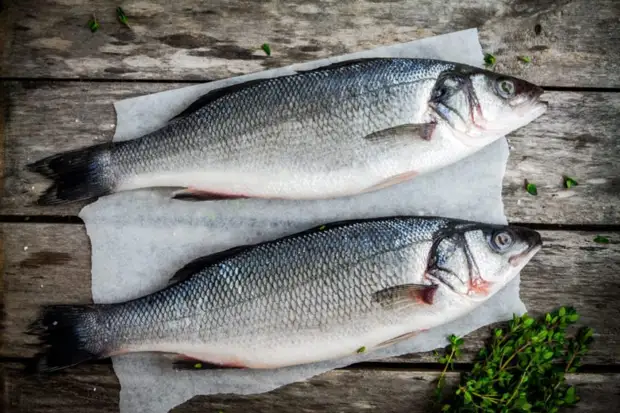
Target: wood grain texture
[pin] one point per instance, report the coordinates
(577, 137)
(95, 389)
(50, 263)
(572, 43)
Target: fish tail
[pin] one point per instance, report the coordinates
(67, 335)
(78, 175)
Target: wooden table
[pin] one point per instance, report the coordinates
(59, 81)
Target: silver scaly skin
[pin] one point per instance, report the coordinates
(334, 131)
(320, 294)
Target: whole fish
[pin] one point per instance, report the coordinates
(338, 130)
(320, 294)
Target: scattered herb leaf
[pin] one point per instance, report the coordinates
(93, 24)
(601, 239)
(198, 365)
(322, 227)
(121, 16)
(522, 368)
(525, 59)
(531, 188)
(266, 49)
(489, 59)
(361, 349)
(569, 182)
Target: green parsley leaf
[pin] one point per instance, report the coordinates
(569, 182)
(93, 24)
(266, 49)
(601, 239)
(361, 350)
(525, 59)
(531, 188)
(121, 16)
(489, 60)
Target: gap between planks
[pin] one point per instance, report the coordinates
(190, 82)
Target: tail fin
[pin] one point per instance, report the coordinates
(77, 175)
(67, 333)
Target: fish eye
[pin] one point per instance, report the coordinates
(505, 88)
(501, 240)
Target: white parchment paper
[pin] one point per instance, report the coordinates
(140, 238)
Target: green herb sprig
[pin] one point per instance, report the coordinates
(122, 17)
(522, 368)
(93, 24)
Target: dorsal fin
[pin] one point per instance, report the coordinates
(338, 65)
(196, 265)
(213, 95)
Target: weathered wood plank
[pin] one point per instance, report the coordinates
(573, 43)
(578, 137)
(95, 389)
(50, 263)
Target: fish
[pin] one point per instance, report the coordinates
(320, 294)
(338, 130)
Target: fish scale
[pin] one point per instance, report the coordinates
(315, 295)
(322, 278)
(338, 130)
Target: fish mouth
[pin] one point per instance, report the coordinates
(535, 241)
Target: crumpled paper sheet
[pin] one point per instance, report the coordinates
(140, 238)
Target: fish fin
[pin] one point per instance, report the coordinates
(183, 362)
(65, 332)
(406, 295)
(396, 179)
(402, 133)
(214, 95)
(337, 65)
(397, 339)
(199, 263)
(78, 175)
(194, 194)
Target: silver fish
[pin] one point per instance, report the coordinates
(316, 295)
(338, 130)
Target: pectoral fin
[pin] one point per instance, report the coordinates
(402, 133)
(406, 296)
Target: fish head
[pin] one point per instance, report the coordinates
(475, 261)
(480, 106)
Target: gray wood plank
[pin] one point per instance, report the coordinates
(577, 137)
(95, 389)
(572, 43)
(50, 263)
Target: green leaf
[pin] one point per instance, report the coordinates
(467, 396)
(601, 239)
(93, 24)
(548, 355)
(528, 322)
(562, 312)
(569, 182)
(569, 397)
(548, 318)
(361, 350)
(525, 59)
(573, 318)
(445, 408)
(266, 48)
(489, 60)
(531, 188)
(121, 16)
